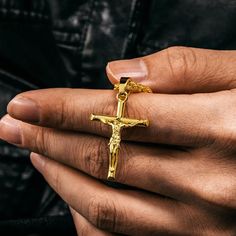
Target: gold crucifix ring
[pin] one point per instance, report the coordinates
(118, 122)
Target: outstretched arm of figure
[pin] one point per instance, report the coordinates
(104, 119)
(133, 122)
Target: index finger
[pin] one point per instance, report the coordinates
(173, 119)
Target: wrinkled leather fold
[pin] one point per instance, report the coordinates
(67, 43)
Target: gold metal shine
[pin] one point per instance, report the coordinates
(118, 122)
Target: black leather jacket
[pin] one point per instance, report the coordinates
(67, 43)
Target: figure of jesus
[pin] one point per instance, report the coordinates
(114, 144)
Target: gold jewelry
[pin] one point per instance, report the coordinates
(125, 87)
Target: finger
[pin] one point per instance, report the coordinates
(84, 227)
(118, 211)
(90, 154)
(166, 175)
(188, 120)
(179, 70)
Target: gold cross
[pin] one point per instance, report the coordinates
(119, 121)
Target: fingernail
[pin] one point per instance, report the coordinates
(24, 109)
(134, 68)
(10, 130)
(38, 161)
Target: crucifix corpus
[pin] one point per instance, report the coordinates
(118, 122)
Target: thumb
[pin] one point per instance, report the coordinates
(179, 70)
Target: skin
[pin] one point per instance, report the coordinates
(183, 166)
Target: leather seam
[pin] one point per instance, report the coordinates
(24, 13)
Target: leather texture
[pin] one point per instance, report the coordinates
(67, 43)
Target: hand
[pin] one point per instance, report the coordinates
(183, 167)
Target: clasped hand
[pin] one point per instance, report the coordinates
(181, 170)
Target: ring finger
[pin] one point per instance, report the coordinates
(88, 153)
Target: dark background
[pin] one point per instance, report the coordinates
(67, 43)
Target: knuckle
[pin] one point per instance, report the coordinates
(65, 112)
(63, 107)
(41, 141)
(180, 61)
(96, 159)
(103, 214)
